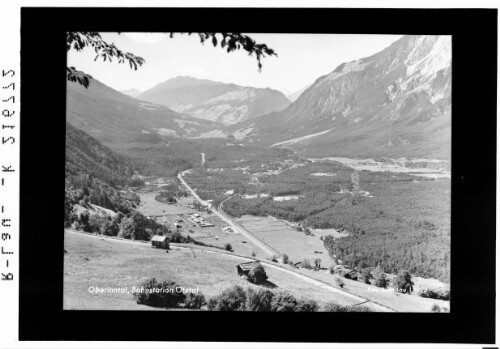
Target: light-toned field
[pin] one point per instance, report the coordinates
(325, 232)
(285, 239)
(209, 235)
(91, 261)
(150, 207)
(94, 209)
(218, 237)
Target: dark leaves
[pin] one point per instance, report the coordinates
(237, 41)
(78, 76)
(105, 51)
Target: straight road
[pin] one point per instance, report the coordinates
(236, 227)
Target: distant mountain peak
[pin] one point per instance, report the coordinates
(215, 101)
(133, 92)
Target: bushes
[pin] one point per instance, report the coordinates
(169, 295)
(339, 282)
(259, 299)
(133, 226)
(166, 197)
(194, 300)
(231, 299)
(437, 309)
(443, 294)
(257, 275)
(402, 282)
(177, 237)
(285, 259)
(365, 276)
(381, 279)
(336, 308)
(284, 301)
(307, 305)
(228, 247)
(306, 264)
(159, 294)
(317, 263)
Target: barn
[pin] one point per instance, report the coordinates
(160, 241)
(244, 268)
(348, 273)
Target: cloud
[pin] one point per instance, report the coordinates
(146, 38)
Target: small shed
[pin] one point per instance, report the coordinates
(160, 241)
(244, 268)
(348, 273)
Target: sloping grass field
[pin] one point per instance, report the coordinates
(92, 261)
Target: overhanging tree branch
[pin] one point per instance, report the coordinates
(105, 51)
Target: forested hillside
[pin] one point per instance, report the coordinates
(93, 171)
(84, 154)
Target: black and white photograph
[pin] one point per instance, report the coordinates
(258, 172)
(248, 175)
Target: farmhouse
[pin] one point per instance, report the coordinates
(159, 241)
(244, 268)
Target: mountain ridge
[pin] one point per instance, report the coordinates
(396, 102)
(224, 103)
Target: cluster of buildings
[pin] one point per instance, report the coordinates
(200, 221)
(228, 229)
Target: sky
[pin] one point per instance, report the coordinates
(302, 58)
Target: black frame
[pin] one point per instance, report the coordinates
(43, 95)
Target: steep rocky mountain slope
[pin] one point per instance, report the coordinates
(215, 101)
(395, 103)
